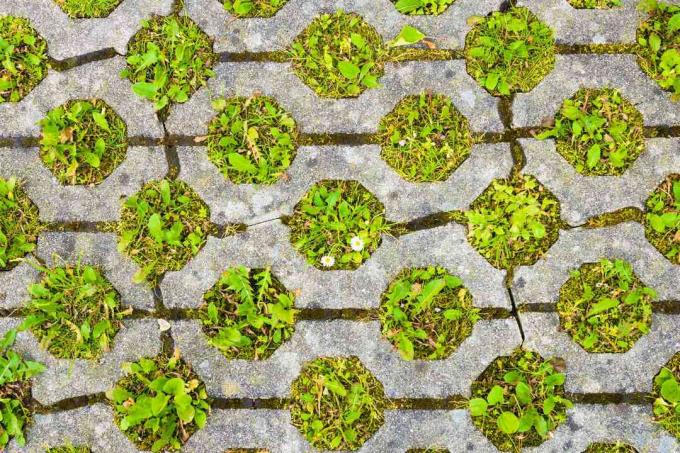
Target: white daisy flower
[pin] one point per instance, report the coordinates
(327, 261)
(402, 142)
(356, 243)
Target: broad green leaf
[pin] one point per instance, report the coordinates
(508, 423)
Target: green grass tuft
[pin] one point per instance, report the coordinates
(337, 403)
(24, 58)
(248, 314)
(605, 307)
(595, 4)
(514, 222)
(425, 138)
(518, 401)
(162, 227)
(83, 141)
(603, 447)
(19, 224)
(253, 8)
(666, 394)
(662, 221)
(508, 52)
(659, 38)
(421, 7)
(74, 312)
(85, 9)
(252, 140)
(426, 313)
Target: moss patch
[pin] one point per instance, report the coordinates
(605, 307)
(666, 391)
(74, 312)
(595, 4)
(159, 403)
(426, 313)
(24, 55)
(420, 7)
(337, 403)
(338, 225)
(169, 59)
(338, 55)
(253, 8)
(162, 227)
(69, 449)
(252, 140)
(428, 450)
(83, 141)
(659, 37)
(19, 224)
(662, 221)
(616, 447)
(598, 132)
(425, 138)
(508, 52)
(88, 8)
(518, 400)
(248, 314)
(513, 222)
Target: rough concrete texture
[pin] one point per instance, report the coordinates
(403, 201)
(582, 196)
(355, 115)
(70, 203)
(267, 244)
(96, 80)
(14, 284)
(68, 38)
(573, 72)
(232, 34)
(540, 283)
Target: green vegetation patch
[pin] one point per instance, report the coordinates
(598, 132)
(19, 224)
(169, 59)
(85, 9)
(74, 312)
(162, 227)
(428, 450)
(252, 140)
(511, 51)
(337, 403)
(427, 313)
(666, 391)
(659, 37)
(24, 58)
(518, 400)
(338, 225)
(15, 391)
(420, 7)
(338, 55)
(662, 226)
(425, 138)
(514, 221)
(83, 141)
(605, 307)
(69, 449)
(616, 447)
(595, 4)
(159, 403)
(248, 314)
(253, 8)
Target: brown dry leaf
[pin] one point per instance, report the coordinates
(200, 139)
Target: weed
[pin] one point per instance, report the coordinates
(159, 403)
(513, 222)
(595, 4)
(666, 392)
(162, 227)
(508, 52)
(338, 225)
(169, 59)
(74, 312)
(88, 8)
(253, 8)
(419, 7)
(605, 307)
(252, 140)
(425, 138)
(602, 447)
(598, 132)
(427, 313)
(83, 141)
(24, 58)
(248, 314)
(338, 55)
(69, 449)
(19, 224)
(662, 226)
(337, 403)
(659, 37)
(518, 400)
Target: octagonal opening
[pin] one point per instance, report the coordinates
(666, 394)
(610, 447)
(253, 8)
(88, 9)
(422, 7)
(659, 40)
(19, 224)
(662, 220)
